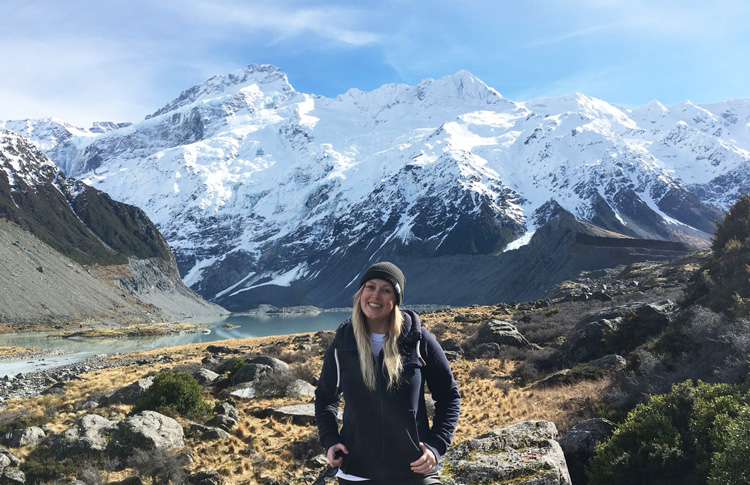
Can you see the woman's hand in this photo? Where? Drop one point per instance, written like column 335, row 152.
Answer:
column 331, row 454
column 426, row 463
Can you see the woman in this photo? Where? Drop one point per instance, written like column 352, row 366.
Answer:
column 380, row 359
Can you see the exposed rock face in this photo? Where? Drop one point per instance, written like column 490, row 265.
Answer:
column 68, row 224
column 250, row 373
column 614, row 330
column 579, row 445
column 502, row 333
column 23, row 437
column 524, row 453
column 130, row 393
column 147, row 430
column 89, row 435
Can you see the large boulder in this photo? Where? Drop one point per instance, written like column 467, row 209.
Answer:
column 250, row 373
column 524, row 453
column 205, row 376
column 7, row 459
column 502, row 332
column 579, row 445
column 89, row 435
column 615, row 330
column 147, row 430
column 12, row 476
column 30, row 436
column 277, row 365
column 130, row 393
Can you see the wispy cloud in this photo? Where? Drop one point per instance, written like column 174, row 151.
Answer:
column 283, row 21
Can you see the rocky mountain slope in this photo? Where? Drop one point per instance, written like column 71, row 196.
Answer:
column 268, row 195
column 52, row 226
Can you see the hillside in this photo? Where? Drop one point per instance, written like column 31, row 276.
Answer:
column 72, row 253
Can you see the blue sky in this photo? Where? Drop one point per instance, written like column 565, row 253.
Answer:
column 85, row 60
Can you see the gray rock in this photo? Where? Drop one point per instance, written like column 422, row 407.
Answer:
column 276, row 364
column 486, row 350
column 32, row 436
column 451, row 345
column 147, row 430
column 503, row 333
column 611, row 362
column 7, row 459
column 250, row 373
column 206, row 433
column 130, row 393
column 226, row 408
column 86, row 406
column 300, row 388
column 90, row 434
column 579, row 445
column 205, row 376
column 222, row 421
column 243, row 392
column 12, row 476
column 552, row 379
column 452, row 356
column 524, row 453
column 602, row 333
column 205, row 478
column 300, row 414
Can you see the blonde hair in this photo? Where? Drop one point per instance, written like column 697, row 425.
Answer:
column 391, row 356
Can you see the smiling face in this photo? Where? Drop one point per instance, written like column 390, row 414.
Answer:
column 377, row 302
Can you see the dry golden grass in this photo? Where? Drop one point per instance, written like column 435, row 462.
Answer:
column 17, row 350
column 259, row 447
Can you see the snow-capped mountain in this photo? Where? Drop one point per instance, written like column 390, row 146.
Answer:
column 267, row 195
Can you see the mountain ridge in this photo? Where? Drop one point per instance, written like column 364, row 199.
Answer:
column 256, row 185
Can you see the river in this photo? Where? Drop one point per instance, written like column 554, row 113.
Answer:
column 76, row 349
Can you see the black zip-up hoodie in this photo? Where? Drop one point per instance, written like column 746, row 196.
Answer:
column 382, row 429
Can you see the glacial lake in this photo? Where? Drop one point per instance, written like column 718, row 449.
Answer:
column 77, row 349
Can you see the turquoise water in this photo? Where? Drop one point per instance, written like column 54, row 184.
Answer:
column 78, row 349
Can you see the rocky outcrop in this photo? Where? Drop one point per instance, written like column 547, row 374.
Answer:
column 502, row 333
column 32, row 436
column 615, row 330
column 129, row 394
column 524, row 453
column 579, row 444
column 88, row 436
column 147, row 430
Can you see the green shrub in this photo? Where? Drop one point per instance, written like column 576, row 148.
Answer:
column 173, row 390
column 670, row 439
column 723, row 284
column 40, row 466
column 552, row 311
column 730, row 467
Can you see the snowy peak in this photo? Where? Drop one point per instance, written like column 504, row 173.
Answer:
column 581, row 105
column 22, row 161
column 263, row 81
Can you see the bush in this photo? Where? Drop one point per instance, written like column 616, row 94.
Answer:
column 730, row 467
column 723, row 284
column 670, row 439
column 174, row 390
column 40, row 466
column 481, row 371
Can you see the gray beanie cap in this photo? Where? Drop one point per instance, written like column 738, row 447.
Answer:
column 388, row 272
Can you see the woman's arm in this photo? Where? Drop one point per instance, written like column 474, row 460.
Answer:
column 444, row 389
column 327, row 402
